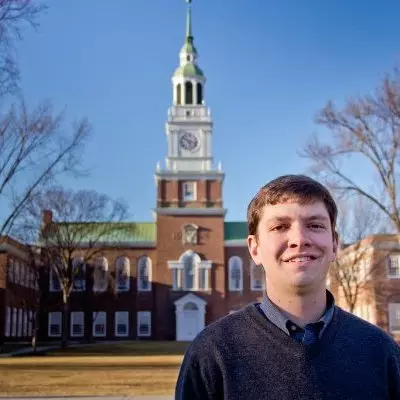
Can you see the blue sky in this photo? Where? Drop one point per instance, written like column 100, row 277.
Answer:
column 270, row 65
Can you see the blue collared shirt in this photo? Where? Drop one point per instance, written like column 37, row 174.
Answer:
column 271, row 312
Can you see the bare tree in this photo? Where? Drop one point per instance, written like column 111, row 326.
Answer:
column 35, row 148
column 356, row 262
column 78, row 229
column 367, row 127
column 15, row 15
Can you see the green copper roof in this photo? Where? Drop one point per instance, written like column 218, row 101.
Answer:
column 189, row 48
column 189, row 70
column 115, row 232
column 235, row 230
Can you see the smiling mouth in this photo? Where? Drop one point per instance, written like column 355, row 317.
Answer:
column 301, row 259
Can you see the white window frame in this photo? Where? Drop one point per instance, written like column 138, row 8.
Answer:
column 52, row 279
column 19, row 331
column 99, row 318
column 54, row 318
column 100, row 286
column 149, row 264
column 231, row 264
column 7, row 325
column 394, row 313
column 77, row 318
column 30, row 324
column 25, row 326
column 146, row 315
column 189, row 191
column 14, row 322
column 388, row 260
column 252, row 280
column 121, row 318
column 118, row 267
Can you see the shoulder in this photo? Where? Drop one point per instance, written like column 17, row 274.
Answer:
column 364, row 332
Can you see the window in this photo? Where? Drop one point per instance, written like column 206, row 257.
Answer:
column 16, row 272
column 235, row 274
column 99, row 323
column 54, row 281
column 28, row 276
column 189, row 191
column 19, row 332
column 30, row 324
column 393, row 266
column 100, row 275
column 203, row 279
column 122, row 323
column 14, row 322
column 189, row 92
column 144, row 323
column 189, row 272
column 25, row 331
column 79, row 274
column 199, row 93
column 122, row 274
column 144, row 274
column 54, row 324
column 7, row 328
column 22, row 274
column 77, row 319
column 257, row 280
column 394, row 317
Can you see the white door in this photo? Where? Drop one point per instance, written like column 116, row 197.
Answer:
column 188, row 324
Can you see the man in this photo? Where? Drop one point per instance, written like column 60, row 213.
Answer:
column 295, row 344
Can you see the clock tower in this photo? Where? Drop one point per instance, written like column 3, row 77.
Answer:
column 189, row 179
column 189, row 213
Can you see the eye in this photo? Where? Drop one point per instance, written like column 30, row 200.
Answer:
column 278, row 228
column 317, row 227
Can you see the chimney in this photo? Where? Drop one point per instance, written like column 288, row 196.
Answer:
column 47, row 217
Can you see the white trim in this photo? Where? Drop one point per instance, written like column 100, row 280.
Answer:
column 235, row 243
column 125, row 244
column 390, row 276
column 80, row 316
column 145, row 315
column 182, row 175
column 189, row 211
column 14, row 251
column 121, row 318
column 54, row 315
column 99, row 318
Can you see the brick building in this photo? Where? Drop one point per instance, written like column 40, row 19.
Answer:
column 173, row 275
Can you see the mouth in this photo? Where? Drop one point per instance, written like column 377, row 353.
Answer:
column 301, row 259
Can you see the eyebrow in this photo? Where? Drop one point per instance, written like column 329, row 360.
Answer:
column 316, row 217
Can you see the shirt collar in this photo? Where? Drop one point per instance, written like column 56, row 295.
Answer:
column 281, row 321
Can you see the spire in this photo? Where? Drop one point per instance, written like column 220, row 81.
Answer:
column 189, row 37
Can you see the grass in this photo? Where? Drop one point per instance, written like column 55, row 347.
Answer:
column 136, row 368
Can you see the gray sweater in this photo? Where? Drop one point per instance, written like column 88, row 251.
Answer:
column 244, row 356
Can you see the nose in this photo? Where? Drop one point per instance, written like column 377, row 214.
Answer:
column 298, row 237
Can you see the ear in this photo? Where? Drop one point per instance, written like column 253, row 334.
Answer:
column 253, row 249
column 335, row 245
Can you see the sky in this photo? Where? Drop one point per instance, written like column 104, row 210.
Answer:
column 270, row 66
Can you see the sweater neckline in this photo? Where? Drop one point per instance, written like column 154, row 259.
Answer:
column 296, row 348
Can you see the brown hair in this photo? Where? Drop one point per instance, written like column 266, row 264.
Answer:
column 289, row 187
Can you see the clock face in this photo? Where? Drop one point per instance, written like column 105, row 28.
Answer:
column 189, row 141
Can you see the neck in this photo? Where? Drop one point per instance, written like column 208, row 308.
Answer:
column 301, row 309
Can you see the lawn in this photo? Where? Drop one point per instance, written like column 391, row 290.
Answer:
column 136, row 368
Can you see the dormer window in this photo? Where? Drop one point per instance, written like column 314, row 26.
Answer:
column 189, row 191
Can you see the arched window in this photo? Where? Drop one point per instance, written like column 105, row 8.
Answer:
column 189, row 92
column 199, row 93
column 189, row 270
column 235, row 274
column 257, row 280
column 100, row 275
column 79, row 274
column 122, row 272
column 190, row 306
column 144, row 274
column 178, row 94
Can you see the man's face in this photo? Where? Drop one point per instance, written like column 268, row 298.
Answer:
column 295, row 245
